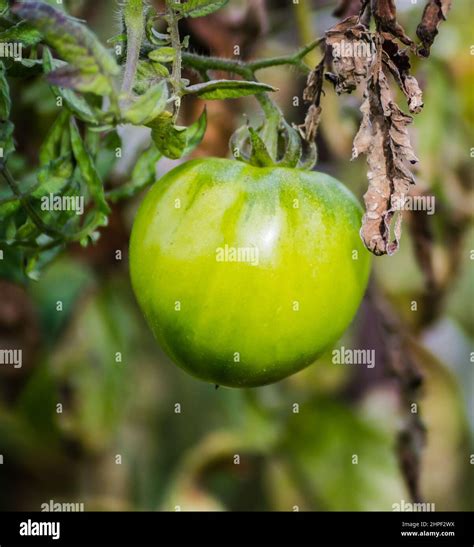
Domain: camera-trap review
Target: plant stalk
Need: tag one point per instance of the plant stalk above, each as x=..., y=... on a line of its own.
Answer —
x=133, y=14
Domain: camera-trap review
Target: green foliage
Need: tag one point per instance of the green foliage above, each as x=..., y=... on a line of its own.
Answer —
x=21, y=32
x=148, y=75
x=87, y=169
x=162, y=55
x=90, y=65
x=92, y=96
x=56, y=161
x=227, y=89
x=74, y=102
x=199, y=8
x=148, y=106
x=174, y=141
x=259, y=155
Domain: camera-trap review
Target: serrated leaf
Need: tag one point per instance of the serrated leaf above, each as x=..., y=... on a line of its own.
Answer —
x=76, y=104
x=22, y=32
x=170, y=139
x=148, y=74
x=227, y=89
x=173, y=141
x=148, y=106
x=75, y=43
x=87, y=169
x=162, y=55
x=199, y=8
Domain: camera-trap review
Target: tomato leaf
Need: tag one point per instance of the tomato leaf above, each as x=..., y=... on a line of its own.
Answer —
x=87, y=169
x=148, y=106
x=55, y=155
x=22, y=32
x=92, y=66
x=199, y=8
x=148, y=74
x=174, y=141
x=195, y=133
x=74, y=102
x=50, y=149
x=162, y=55
x=170, y=139
x=227, y=89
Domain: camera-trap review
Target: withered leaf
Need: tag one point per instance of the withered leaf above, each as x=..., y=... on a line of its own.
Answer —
x=383, y=137
x=398, y=63
x=435, y=11
x=385, y=14
x=311, y=123
x=352, y=50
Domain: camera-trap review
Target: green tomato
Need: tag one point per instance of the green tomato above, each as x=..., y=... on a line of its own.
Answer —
x=247, y=274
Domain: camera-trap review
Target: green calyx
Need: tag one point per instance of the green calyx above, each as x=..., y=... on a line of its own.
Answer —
x=273, y=143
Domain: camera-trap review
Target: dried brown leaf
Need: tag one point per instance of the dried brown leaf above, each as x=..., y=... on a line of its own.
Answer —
x=385, y=14
x=435, y=11
x=352, y=50
x=383, y=137
x=311, y=123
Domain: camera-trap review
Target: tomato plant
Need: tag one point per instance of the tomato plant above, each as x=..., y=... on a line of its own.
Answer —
x=293, y=267
x=247, y=274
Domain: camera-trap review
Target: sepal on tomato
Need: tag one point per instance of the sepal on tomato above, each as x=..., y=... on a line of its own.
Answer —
x=253, y=146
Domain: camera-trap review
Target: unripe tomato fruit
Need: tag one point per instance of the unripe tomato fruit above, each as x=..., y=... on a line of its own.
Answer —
x=247, y=274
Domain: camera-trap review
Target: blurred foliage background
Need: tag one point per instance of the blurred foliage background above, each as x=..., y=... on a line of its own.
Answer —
x=295, y=439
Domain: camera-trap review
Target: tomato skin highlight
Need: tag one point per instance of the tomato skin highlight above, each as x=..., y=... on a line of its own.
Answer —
x=247, y=274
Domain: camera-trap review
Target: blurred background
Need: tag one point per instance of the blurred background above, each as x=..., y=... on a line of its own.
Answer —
x=140, y=434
